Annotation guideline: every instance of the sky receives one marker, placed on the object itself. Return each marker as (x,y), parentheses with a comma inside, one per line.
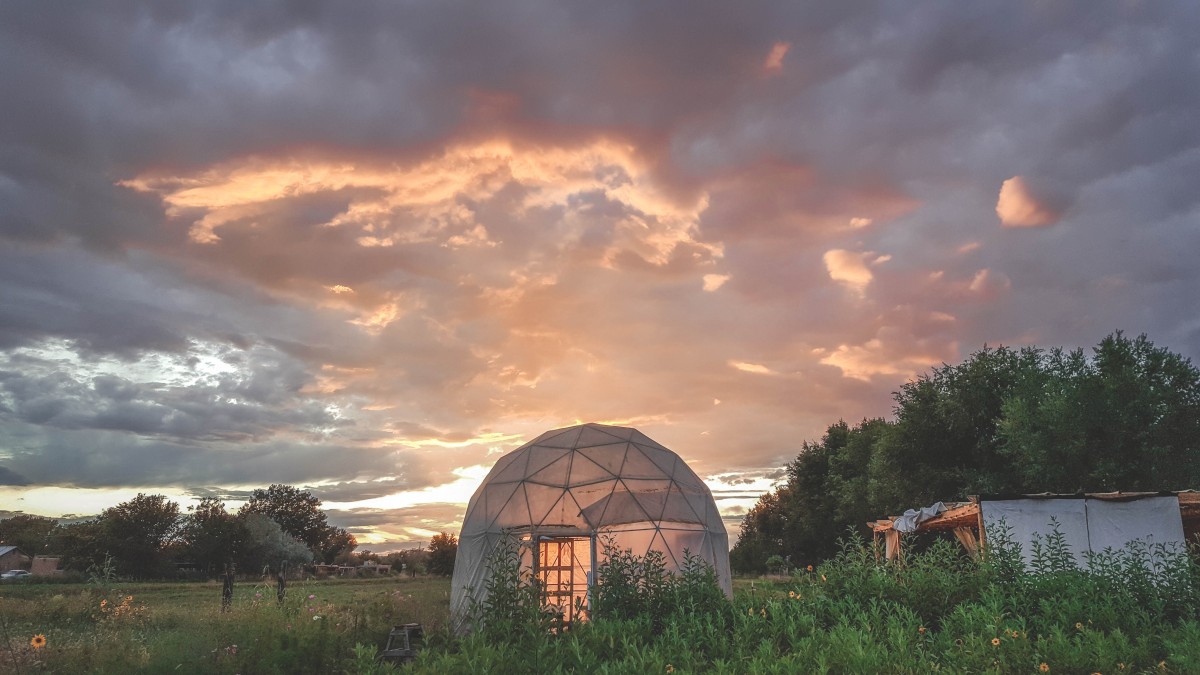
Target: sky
(367,248)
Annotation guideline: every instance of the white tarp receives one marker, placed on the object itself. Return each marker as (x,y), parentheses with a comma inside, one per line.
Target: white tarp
(1087,525)
(1154,520)
(913,517)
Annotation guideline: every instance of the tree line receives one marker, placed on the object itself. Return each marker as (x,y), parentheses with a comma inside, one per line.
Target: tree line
(1125,416)
(148,536)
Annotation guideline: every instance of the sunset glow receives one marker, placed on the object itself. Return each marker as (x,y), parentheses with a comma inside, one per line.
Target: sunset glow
(367,253)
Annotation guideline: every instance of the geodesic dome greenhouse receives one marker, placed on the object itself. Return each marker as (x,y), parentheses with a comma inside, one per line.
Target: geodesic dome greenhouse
(568,493)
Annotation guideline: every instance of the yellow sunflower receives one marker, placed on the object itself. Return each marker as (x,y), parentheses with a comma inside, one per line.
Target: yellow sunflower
(38,641)
(995,642)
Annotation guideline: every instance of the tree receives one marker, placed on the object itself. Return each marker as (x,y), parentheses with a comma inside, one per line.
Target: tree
(337,544)
(79,545)
(137,532)
(443,549)
(299,514)
(210,536)
(28,533)
(268,546)
(1127,417)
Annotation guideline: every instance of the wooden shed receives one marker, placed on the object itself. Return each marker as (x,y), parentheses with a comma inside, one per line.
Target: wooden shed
(1091,521)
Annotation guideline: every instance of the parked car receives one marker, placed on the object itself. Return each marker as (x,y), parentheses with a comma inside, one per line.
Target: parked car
(14,574)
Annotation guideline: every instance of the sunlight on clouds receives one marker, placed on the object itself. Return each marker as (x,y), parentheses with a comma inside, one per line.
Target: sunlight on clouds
(755,368)
(851,268)
(482,439)
(862,362)
(424,201)
(1017,207)
(458,491)
(714,281)
(774,60)
(859,223)
(57,502)
(379,318)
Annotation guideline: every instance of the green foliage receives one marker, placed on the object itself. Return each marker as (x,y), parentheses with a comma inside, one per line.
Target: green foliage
(268,546)
(934,611)
(1127,417)
(443,549)
(299,514)
(28,533)
(136,534)
(211,537)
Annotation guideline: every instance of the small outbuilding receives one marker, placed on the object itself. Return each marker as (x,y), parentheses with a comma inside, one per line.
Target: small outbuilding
(1089,523)
(11,558)
(566,494)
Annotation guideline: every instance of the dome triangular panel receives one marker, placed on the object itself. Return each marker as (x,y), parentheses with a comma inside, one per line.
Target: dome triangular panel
(563,438)
(595,435)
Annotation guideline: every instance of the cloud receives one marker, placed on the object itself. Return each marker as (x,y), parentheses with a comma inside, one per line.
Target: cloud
(1017,207)
(368,249)
(851,268)
(774,60)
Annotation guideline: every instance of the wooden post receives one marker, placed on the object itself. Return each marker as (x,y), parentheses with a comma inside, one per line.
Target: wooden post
(281,584)
(227,588)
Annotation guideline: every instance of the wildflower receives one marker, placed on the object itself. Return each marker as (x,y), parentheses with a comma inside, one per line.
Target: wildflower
(258,594)
(38,641)
(312,596)
(921,630)
(995,642)
(317,617)
(103,604)
(750,611)
(670,668)
(810,568)
(1121,666)
(791,594)
(958,642)
(1078,626)
(763,611)
(1044,668)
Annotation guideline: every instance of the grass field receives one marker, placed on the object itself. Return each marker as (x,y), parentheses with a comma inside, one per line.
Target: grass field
(179,627)
(933,612)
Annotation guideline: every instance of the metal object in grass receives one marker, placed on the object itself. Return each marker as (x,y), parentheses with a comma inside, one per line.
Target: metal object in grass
(402,643)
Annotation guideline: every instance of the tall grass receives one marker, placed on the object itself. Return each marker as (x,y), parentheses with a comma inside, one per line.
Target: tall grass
(1134,610)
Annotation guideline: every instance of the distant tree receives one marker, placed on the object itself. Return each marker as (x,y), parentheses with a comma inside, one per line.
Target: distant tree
(79,545)
(337,544)
(28,533)
(412,560)
(210,536)
(268,547)
(299,513)
(442,550)
(136,534)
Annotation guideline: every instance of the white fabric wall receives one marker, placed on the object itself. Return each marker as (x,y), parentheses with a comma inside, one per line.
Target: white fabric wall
(1155,520)
(1087,524)
(1027,517)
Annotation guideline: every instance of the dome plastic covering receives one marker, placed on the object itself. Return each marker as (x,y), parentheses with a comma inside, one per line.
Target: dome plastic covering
(568,493)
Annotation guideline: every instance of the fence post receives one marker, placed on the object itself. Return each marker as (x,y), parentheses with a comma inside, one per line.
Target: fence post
(281,584)
(227,588)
